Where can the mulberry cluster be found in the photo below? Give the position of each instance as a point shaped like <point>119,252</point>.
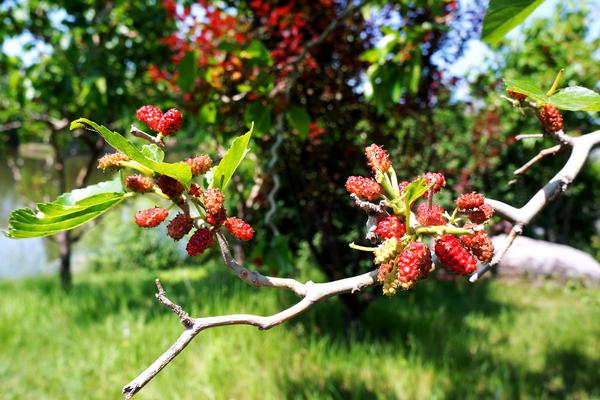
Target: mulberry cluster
<point>150,115</point>
<point>404,231</point>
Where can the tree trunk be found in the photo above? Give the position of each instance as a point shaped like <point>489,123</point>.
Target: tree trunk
<point>64,249</point>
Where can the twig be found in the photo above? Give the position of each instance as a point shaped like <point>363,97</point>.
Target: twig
<point>311,293</point>
<point>529,136</point>
<point>184,317</point>
<point>135,131</point>
<point>368,207</point>
<point>581,147</point>
<point>543,153</point>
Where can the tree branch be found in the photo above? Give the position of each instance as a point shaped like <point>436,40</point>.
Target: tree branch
<point>543,153</point>
<point>310,292</point>
<point>581,147</point>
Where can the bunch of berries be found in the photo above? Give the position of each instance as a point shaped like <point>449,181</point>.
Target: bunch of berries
<point>202,209</point>
<point>404,254</point>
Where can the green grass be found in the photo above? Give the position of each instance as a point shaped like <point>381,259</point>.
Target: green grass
<point>441,340</point>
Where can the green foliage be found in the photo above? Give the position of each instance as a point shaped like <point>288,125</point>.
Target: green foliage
<point>69,211</point>
<point>503,16</point>
<point>573,98</point>
<point>231,160</point>
<point>299,120</point>
<point>443,340</point>
<point>179,171</point>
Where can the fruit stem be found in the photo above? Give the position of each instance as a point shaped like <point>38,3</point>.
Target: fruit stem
<point>555,83</point>
<point>441,229</point>
<point>137,166</point>
<point>362,248</point>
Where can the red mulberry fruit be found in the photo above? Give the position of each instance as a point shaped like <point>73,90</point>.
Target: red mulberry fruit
<point>363,187</point>
<point>151,217</point>
<point>170,186</point>
<point>481,214</point>
<point>413,262</point>
<point>550,118</point>
<point>480,245</point>
<point>111,161</point>
<point>469,200</point>
<point>212,200</point>
<point>430,216</point>
<point>179,226</point>
<point>454,256</point>
<point>170,122</point>
<point>239,228</point>
<point>218,218</point>
<point>437,177</point>
<point>390,226</point>
<point>199,242</point>
<point>199,165</point>
<point>195,190</point>
<point>151,115</point>
<point>378,158</point>
<point>139,183</point>
<point>517,95</point>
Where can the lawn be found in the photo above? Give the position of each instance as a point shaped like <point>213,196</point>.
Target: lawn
<point>442,340</point>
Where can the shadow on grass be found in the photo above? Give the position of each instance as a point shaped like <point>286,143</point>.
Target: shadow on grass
<point>330,387</point>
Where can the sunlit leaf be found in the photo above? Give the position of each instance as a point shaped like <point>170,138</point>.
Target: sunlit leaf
<point>504,15</point>
<point>414,190</point>
<point>153,152</point>
<point>527,87</point>
<point>179,171</point>
<point>576,98</point>
<point>231,160</point>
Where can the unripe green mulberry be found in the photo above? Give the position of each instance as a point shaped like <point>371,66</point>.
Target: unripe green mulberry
<point>387,250</point>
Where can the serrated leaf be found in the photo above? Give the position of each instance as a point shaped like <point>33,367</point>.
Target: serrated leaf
<point>231,160</point>
<point>69,211</point>
<point>527,87</point>
<point>576,98</point>
<point>299,120</point>
<point>153,152</point>
<point>179,171</point>
<point>414,191</point>
<point>504,15</point>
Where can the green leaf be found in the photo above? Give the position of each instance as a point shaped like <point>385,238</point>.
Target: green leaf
<point>527,87</point>
<point>414,191</point>
<point>231,160</point>
<point>259,115</point>
<point>504,15</point>
<point>179,171</point>
<point>576,98</point>
<point>256,50</point>
<point>153,152</point>
<point>69,211</point>
<point>188,69</point>
<point>299,120</point>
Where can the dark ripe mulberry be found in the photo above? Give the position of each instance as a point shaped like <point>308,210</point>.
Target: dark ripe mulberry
<point>150,115</point>
<point>454,256</point>
<point>217,219</point>
<point>481,215</point>
<point>550,118</point>
<point>151,217</point>
<point>363,187</point>
<point>468,201</point>
<point>195,190</point>
<point>212,200</point>
<point>433,216</point>
<point>170,186</point>
<point>480,245</point>
<point>378,158</point>
<point>180,226</point>
<point>170,122</point>
<point>199,242</point>
<point>199,165</point>
<point>139,183</point>
<point>239,228</point>
<point>390,226</point>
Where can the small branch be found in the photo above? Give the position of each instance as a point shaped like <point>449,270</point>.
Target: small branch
<point>135,131</point>
<point>543,153</point>
<point>529,136</point>
<point>515,231</point>
<point>184,317</point>
<point>581,147</point>
<point>368,207</point>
